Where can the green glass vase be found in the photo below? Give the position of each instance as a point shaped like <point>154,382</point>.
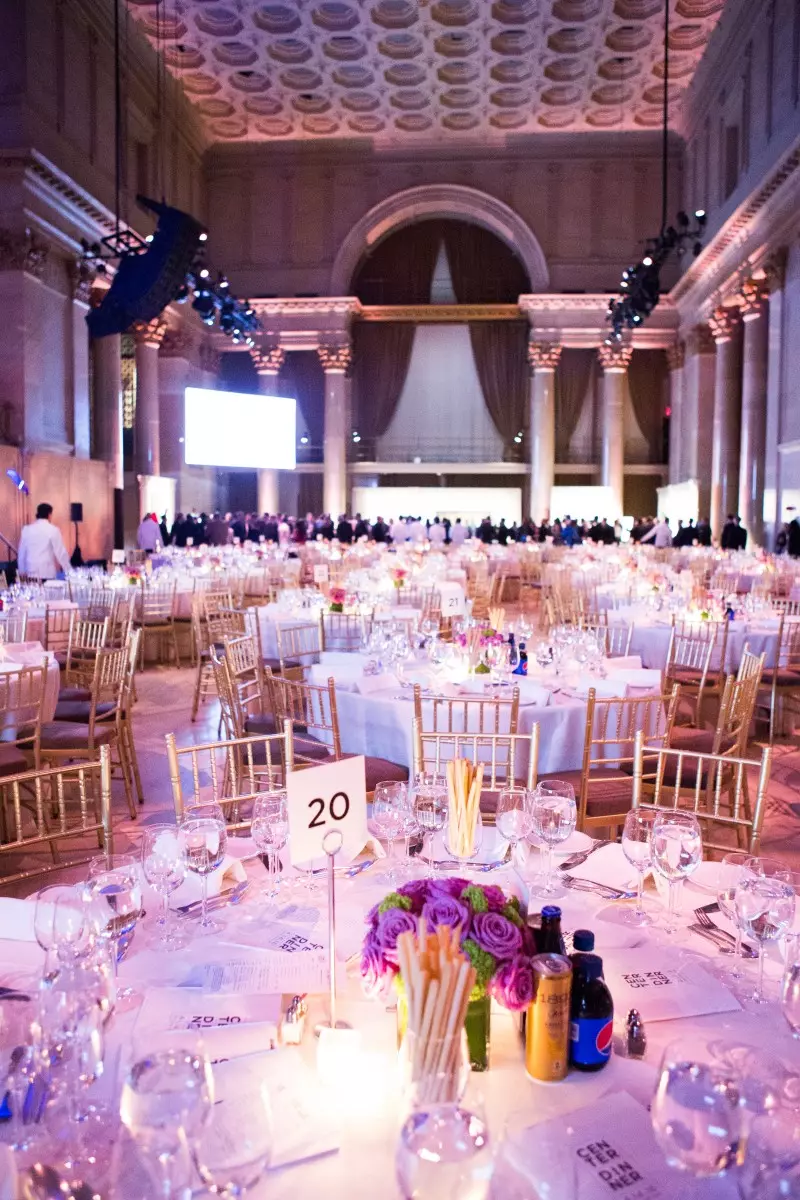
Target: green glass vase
<point>477,1025</point>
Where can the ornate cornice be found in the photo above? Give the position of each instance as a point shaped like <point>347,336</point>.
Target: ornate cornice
<point>699,340</point>
<point>23,252</point>
<point>307,306</point>
<point>753,299</point>
<point>177,343</point>
<point>81,279</point>
<point>335,357</point>
<point>614,356</point>
<point>268,358</point>
<point>566,302</point>
<point>209,358</point>
<point>676,356</point>
<point>723,322</point>
<point>543,356</point>
<point>149,333</point>
<point>430,314</point>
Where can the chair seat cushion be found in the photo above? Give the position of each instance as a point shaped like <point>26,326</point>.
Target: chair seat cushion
<point>274,664</point>
<point>698,741</point>
<point>308,746</point>
<point>79,711</point>
<point>785,678</point>
<point>74,693</point>
<point>685,674</point>
<point>73,735</point>
<point>61,658</point>
<point>264,723</point>
<point>12,760</point>
<point>610,789</point>
<point>381,770</point>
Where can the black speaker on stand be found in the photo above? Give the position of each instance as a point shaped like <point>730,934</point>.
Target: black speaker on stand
<point>76,516</point>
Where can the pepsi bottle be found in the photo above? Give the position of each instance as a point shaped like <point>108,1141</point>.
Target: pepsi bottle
<point>591,1016</point>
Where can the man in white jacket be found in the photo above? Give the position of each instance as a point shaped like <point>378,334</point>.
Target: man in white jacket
<point>42,553</point>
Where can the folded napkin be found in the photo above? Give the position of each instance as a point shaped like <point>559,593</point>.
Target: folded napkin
<point>623,663</point>
<point>372,848</point>
<point>607,865</point>
<point>228,874</point>
<point>14,649</point>
<point>531,692</point>
<point>642,678</point>
<point>366,685</point>
<point>16,919</point>
<point>24,658</point>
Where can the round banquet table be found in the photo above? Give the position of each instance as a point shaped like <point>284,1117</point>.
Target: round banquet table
<point>273,616</point>
<point>652,632</point>
<point>363,1106</point>
<point>35,630</point>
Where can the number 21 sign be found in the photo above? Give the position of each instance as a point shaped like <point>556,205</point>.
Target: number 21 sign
<point>321,799</point>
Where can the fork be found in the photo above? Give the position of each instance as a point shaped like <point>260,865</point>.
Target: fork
<point>704,919</point>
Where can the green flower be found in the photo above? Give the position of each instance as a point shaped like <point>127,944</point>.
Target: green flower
<point>485,966</point>
<point>481,669</point>
<point>394,900</point>
<point>511,911</point>
<point>475,896</point>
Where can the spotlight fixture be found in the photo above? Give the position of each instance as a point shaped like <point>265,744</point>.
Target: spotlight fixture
<point>303,440</point>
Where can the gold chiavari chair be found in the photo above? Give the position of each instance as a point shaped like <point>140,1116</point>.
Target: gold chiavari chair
<point>86,638</point>
<point>154,615</point>
<point>782,680</point>
<point>14,627</point>
<point>299,647</point>
<point>343,631</point>
<point>713,786</point>
<point>201,657</point>
<point>725,581</point>
<point>604,784</point>
<point>247,677</point>
<point>616,639</point>
<point>62,805</point>
<point>230,773</point>
<point>58,623</point>
<point>466,714</point>
<point>3,582</point>
<point>509,759</point>
<point>22,693</point>
<point>730,735</point>
<point>696,660</point>
<point>785,607</point>
<point>127,740</point>
<point>530,581</point>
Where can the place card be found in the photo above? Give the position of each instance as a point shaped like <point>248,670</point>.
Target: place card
<point>272,973</point>
<point>321,572</point>
<point>663,988</point>
<point>229,1024</point>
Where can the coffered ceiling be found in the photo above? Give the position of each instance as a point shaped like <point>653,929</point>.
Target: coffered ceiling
<point>415,71</point>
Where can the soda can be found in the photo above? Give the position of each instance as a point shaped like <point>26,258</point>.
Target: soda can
<point>547,1039</point>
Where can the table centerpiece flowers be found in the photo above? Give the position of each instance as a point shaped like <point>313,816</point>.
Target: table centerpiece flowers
<point>399,577</point>
<point>493,936</point>
<point>336,596</point>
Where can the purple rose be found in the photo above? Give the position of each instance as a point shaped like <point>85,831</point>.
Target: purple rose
<point>514,985</point>
<point>374,966</point>
<point>495,898</point>
<point>446,910</point>
<point>496,935</point>
<point>417,893</point>
<point>447,887</point>
<point>390,925</point>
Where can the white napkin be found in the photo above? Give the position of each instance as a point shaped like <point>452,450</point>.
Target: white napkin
<point>625,662</point>
<point>367,684</point>
<point>607,865</point>
<point>371,847</point>
<point>531,692</point>
<point>605,689</point>
<point>228,873</point>
<point>24,658</point>
<point>16,919</point>
<point>642,678</point>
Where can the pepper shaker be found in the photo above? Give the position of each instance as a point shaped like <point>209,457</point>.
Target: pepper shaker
<point>635,1036</point>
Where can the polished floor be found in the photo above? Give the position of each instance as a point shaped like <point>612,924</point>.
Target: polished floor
<point>164,705</point>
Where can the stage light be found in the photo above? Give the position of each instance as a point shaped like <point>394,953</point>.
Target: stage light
<point>204,273</point>
<point>700,214</point>
<point>203,237</point>
<point>647,261</point>
<point>303,441</point>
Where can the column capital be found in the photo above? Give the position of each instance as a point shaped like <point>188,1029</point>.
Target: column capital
<point>775,268</point>
<point>723,322</point>
<point>754,295</point>
<point>676,356</point>
<point>543,356</point>
<point>336,356</point>
<point>80,277</point>
<point>23,252</point>
<point>149,333</point>
<point>268,357</point>
<point>209,358</point>
<point>615,356</point>
<point>177,343</point>
<point>699,340</point>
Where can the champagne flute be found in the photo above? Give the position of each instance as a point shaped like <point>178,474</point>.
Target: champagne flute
<point>554,818</point>
<point>114,894</point>
<point>637,846</point>
<point>698,1115</point>
<point>731,868</point>
<point>270,830</point>
<point>204,838</point>
<point>677,851</point>
<point>514,816</point>
<point>164,868</point>
<point>765,907</point>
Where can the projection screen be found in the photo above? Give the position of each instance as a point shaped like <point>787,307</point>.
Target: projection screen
<point>235,429</point>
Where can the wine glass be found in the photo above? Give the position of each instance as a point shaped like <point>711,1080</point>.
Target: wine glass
<point>514,816</point>
<point>270,831</point>
<point>204,838</point>
<point>44,917</point>
<point>164,868</point>
<point>429,798</point>
<point>765,908</point>
<point>114,894</point>
<point>729,872</point>
<point>166,1100</point>
<point>698,1114</point>
<point>232,1158</point>
<point>25,1075</point>
<point>790,989</point>
<point>554,817</point>
<point>494,654</point>
<point>399,652</point>
<point>677,851</point>
<point>637,846</point>
<point>387,820</point>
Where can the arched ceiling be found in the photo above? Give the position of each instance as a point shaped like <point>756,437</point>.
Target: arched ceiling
<point>411,71</point>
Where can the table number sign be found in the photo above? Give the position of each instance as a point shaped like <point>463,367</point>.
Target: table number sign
<point>321,573</point>
<point>453,600</point>
<point>322,799</point>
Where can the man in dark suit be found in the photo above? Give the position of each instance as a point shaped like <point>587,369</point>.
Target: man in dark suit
<point>703,532</point>
<point>793,537</point>
<point>729,536</point>
<point>741,535</point>
<point>362,527</point>
<point>270,528</point>
<point>485,531</point>
<point>239,527</point>
<point>217,531</point>
<point>327,528</point>
<point>380,530</point>
<point>344,530</point>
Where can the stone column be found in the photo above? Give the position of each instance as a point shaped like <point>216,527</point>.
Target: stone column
<point>675,363</point>
<point>81,279</point>
<point>724,324</point>
<point>614,359</point>
<point>698,412</point>
<point>147,433</point>
<point>336,357</point>
<point>174,376</point>
<point>268,357</point>
<point>755,345</point>
<point>108,416</point>
<point>774,513</point>
<point>542,359</point>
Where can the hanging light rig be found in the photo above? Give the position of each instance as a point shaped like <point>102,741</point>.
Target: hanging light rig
<point>640,285</point>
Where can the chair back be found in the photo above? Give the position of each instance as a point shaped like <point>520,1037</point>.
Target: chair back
<point>785,606</point>
<point>157,602</point>
<point>788,656</point>
<point>86,638</point>
<point>298,646</point>
<point>697,646</point>
<point>713,786</point>
<point>472,714</point>
<point>508,758</point>
<point>309,708</point>
<point>343,631</point>
<point>58,623</point>
<point>22,693</point>
<point>245,669</point>
<point>230,773</point>
<point>14,627</point>
<point>222,623</point>
<point>61,804</point>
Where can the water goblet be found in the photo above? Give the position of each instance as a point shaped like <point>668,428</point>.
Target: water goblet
<point>429,798</point>
<point>765,908</point>
<point>232,1158</point>
<point>554,818</point>
<point>388,821</point>
<point>729,872</point>
<point>698,1115</point>
<point>514,816</point>
<point>164,868</point>
<point>270,831</point>
<point>204,838</point>
<point>637,846</point>
<point>113,893</point>
<point>677,850</point>
<point>44,918</point>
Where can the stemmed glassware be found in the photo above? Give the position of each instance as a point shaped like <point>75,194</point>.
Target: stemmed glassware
<point>59,924</point>
<point>429,799</point>
<point>677,851</point>
<point>399,651</point>
<point>164,868</point>
<point>269,828</point>
<point>637,846</point>
<point>25,1076</point>
<point>554,817</point>
<point>388,819</point>
<point>204,837</point>
<point>765,906</point>
<point>113,892</point>
<point>732,868</point>
<point>514,816</point>
<point>230,1166</point>
<point>698,1114</point>
<point>790,988</point>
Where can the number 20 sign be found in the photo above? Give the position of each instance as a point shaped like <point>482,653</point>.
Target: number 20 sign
<point>321,799</point>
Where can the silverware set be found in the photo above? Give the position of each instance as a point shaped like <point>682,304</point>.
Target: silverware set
<point>724,941</point>
<point>598,889</point>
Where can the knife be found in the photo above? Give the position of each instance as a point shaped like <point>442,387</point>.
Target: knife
<point>725,942</point>
<point>231,895</point>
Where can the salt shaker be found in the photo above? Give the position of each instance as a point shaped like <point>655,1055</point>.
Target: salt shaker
<point>294,1022</point>
<point>635,1036</point>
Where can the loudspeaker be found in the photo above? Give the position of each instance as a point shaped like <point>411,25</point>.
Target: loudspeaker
<point>146,283</point>
<point>76,512</point>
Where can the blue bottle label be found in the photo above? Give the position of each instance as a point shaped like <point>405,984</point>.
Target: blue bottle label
<point>590,1040</point>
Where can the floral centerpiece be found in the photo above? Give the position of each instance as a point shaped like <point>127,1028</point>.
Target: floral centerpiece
<point>399,577</point>
<point>493,935</point>
<point>336,596</point>
<point>488,637</point>
<point>134,575</point>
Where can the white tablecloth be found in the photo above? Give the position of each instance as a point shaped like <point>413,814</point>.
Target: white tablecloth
<point>651,637</point>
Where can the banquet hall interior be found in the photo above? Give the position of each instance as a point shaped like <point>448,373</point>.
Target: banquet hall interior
<point>398,404</point>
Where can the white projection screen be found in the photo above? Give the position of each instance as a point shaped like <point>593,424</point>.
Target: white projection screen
<point>235,429</point>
